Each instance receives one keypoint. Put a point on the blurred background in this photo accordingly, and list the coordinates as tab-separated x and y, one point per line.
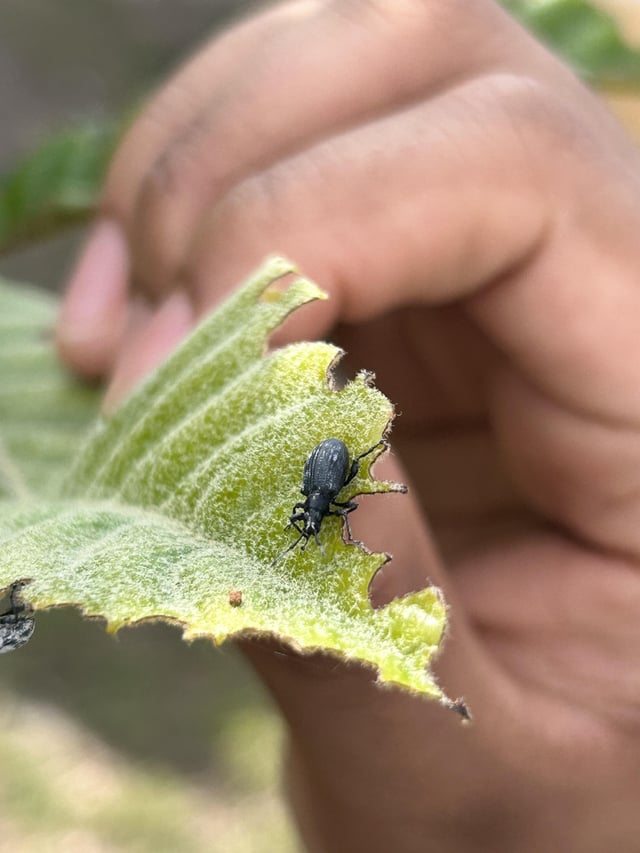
67	62
139	742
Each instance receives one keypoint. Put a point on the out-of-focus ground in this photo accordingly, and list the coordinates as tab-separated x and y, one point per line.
139	742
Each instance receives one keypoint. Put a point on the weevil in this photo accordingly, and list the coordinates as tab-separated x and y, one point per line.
17	624
327	470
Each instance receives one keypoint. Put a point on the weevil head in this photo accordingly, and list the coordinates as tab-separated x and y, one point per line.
313	522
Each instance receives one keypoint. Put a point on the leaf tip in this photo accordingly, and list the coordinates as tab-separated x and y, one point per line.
459	707
275	266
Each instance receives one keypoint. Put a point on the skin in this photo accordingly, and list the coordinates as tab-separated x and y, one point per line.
475	213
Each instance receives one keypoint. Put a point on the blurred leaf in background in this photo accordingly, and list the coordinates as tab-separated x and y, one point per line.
584	35
55	186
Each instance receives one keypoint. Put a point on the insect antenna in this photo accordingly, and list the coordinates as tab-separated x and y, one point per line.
287	549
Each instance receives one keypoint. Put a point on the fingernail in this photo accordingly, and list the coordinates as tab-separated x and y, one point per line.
92	313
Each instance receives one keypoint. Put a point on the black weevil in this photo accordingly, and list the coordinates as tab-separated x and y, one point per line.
327	471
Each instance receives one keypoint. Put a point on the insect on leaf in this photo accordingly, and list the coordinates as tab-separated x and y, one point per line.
44	412
176	506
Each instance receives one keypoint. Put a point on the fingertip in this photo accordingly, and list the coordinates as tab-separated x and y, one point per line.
145	350
93	312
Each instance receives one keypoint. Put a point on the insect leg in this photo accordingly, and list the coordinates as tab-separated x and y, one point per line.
355	465
344	508
300	516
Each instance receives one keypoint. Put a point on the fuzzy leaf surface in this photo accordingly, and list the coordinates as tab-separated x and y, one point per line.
177	504
44	412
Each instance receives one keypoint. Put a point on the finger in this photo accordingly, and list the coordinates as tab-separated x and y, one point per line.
316	68
371	207
382	220
176	108
470	205
197	132
92	319
570	466
152	336
439	221
94	309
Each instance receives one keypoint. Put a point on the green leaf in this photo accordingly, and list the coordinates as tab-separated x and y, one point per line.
44	412
176	507
584	35
55	186
126	565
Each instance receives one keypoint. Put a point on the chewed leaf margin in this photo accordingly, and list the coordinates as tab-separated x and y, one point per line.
82	556
178	504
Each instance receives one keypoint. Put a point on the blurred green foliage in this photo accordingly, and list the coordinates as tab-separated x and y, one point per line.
584	35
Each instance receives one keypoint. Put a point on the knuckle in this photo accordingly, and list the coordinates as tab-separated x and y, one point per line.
165	216
129	166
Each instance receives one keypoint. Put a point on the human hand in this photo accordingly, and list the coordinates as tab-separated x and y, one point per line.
474	213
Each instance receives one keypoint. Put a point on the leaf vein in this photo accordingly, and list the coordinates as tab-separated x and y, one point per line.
159	400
